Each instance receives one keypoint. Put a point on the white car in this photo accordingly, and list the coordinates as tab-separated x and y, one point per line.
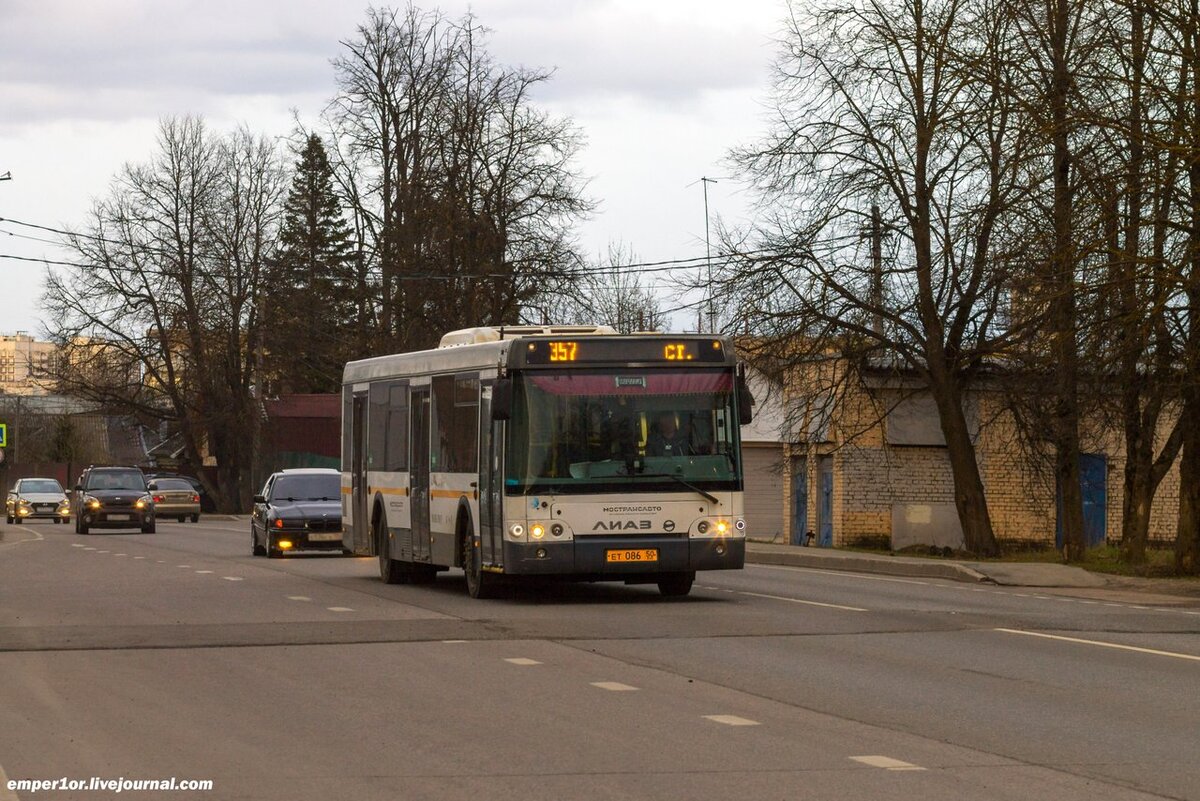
42	498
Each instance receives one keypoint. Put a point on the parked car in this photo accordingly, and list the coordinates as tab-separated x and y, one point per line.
297	510
113	497
175	497
37	498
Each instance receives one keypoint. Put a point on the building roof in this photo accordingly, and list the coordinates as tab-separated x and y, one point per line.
304	406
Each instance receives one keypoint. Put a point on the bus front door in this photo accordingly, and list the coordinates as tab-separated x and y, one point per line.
360	525
418	489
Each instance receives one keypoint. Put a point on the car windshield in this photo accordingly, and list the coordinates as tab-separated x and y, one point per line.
307	488
117	480
40	485
623	430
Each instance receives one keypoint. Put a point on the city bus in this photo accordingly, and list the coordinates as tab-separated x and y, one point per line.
566	451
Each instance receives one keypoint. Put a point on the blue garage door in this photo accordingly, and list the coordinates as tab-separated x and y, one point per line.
1093	480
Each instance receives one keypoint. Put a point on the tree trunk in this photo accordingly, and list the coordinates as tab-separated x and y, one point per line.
969	497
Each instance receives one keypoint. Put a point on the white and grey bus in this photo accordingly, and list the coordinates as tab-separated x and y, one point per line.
550	451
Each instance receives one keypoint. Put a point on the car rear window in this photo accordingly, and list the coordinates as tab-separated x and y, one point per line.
174	484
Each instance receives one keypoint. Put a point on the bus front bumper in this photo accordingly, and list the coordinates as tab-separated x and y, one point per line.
591	557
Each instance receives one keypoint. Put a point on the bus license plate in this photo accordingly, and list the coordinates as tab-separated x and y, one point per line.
636	555
334	536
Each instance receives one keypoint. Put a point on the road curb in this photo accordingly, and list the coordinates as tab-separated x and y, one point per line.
858	564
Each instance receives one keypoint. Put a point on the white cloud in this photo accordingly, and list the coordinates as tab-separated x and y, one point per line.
661	90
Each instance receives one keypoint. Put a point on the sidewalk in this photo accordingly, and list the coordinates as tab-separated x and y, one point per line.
1014	574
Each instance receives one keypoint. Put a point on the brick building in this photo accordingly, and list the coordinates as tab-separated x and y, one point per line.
871	467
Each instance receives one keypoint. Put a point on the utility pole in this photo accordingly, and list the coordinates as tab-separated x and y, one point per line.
712	310
877	268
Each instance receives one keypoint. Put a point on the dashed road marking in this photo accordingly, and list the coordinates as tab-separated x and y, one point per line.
613	686
102	551
184	566
203	571
77	545
732	720
452	642
339	609
799	601
298	598
520	660
161	561
120	554
232	578
139	557
1102	644
887	763
88	548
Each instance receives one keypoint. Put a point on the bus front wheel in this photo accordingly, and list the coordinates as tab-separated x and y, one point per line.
677	584
480	583
392	571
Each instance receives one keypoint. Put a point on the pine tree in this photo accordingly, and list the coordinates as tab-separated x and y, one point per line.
310	304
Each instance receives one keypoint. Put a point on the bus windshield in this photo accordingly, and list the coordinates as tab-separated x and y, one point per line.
622	430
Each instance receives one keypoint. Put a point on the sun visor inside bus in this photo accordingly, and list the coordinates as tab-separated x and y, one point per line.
635	383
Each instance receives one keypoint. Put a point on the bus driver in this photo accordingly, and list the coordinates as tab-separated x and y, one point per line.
666	438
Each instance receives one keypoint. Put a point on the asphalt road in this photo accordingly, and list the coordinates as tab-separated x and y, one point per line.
179	655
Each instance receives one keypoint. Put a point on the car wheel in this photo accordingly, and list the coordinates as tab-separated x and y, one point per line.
195	518
8	519
148	528
182	518
81	528
392	571
20	520
255	548
480	584
272	551
677	585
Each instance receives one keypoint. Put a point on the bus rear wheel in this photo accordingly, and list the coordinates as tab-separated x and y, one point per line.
677	585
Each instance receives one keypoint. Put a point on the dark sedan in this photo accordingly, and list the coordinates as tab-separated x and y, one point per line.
297	510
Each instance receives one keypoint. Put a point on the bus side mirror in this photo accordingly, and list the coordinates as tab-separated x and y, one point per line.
502	399
745	401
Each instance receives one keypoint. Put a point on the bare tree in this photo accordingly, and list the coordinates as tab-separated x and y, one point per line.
465	192
610	292
905	106
160	320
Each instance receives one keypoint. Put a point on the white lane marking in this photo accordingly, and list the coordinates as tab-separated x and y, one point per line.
120	554
184	566
88	548
887	763
339	609
139	557
77	545
232	578
1102	644
613	686
161	561
520	660
298	598
452	642
5	793
806	603
843	574
102	552
732	720
203	571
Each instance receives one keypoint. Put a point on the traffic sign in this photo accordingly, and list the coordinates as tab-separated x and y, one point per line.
3	435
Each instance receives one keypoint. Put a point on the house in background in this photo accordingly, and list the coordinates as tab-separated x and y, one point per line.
871	467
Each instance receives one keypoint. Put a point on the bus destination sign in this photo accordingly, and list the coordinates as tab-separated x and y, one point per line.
603	349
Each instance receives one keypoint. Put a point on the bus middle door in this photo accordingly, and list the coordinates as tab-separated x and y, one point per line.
418	489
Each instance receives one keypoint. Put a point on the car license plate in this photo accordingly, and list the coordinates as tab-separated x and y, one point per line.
118	517
634	555
332	536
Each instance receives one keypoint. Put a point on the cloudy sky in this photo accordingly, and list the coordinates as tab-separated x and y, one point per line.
661	90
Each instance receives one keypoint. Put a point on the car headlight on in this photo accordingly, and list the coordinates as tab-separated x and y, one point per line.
144	502
91	502
22	501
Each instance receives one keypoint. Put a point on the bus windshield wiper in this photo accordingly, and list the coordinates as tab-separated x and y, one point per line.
708	496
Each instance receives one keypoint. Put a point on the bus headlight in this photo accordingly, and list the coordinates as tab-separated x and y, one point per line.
537	531
722	528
